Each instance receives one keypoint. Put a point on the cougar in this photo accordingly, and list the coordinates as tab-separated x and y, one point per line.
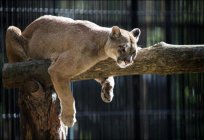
73	46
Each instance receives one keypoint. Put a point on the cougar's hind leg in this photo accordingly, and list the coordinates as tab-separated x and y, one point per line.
107	85
15	44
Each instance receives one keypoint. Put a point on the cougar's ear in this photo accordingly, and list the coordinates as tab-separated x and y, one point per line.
136	33
115	32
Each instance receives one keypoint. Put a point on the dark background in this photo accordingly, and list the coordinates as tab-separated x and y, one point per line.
167	107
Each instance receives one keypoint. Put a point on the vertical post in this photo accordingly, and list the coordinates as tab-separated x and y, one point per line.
136	79
39	112
168	37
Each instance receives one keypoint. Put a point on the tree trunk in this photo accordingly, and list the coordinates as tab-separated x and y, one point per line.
161	59
39	111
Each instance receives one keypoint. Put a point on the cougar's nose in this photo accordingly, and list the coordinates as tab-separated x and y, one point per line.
128	60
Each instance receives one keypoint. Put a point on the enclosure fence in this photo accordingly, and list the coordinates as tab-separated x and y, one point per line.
144	107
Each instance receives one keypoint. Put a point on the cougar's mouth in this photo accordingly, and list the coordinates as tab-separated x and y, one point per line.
124	63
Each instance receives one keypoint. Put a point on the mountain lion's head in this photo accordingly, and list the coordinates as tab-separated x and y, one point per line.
122	46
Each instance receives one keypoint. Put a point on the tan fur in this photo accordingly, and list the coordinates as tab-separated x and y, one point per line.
73	46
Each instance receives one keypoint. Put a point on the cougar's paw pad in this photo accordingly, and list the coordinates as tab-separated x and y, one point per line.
107	93
107	97
69	120
107	89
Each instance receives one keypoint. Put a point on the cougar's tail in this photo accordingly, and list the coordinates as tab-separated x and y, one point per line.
15	45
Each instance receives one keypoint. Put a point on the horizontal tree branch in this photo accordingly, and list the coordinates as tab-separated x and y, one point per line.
160	58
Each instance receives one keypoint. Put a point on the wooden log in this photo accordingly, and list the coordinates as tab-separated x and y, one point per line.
160	58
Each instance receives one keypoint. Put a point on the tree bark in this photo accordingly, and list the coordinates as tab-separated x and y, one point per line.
40	110
160	58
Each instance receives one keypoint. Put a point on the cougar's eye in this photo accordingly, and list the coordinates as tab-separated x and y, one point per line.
133	52
122	49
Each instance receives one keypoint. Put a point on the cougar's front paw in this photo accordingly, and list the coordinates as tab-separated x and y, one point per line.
68	119
107	92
